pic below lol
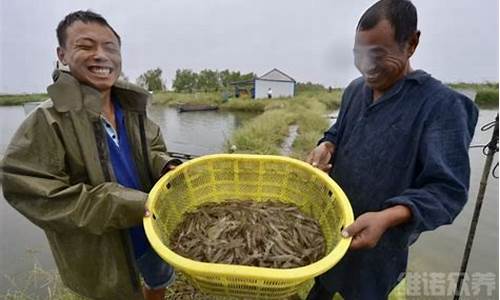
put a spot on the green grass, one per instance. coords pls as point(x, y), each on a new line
point(37, 281)
point(245, 105)
point(474, 86)
point(311, 127)
point(233, 104)
point(487, 97)
point(265, 133)
point(174, 98)
point(487, 93)
point(6, 100)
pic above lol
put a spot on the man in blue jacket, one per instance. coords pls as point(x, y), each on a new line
point(399, 149)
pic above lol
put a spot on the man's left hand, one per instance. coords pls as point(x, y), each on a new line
point(369, 227)
point(366, 230)
point(171, 164)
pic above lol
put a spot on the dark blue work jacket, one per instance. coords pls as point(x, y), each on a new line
point(409, 147)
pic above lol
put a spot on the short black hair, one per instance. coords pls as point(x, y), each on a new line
point(401, 14)
point(87, 16)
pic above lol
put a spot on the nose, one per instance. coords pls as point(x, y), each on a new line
point(369, 66)
point(100, 54)
point(365, 63)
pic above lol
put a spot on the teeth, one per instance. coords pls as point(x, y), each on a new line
point(100, 70)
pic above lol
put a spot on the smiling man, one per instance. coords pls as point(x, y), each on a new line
point(81, 164)
point(399, 149)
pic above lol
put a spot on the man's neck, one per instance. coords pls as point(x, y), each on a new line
point(108, 109)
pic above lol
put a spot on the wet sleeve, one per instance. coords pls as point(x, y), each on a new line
point(35, 182)
point(441, 185)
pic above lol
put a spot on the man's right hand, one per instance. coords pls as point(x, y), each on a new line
point(320, 156)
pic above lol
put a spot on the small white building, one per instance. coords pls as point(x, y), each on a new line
point(276, 83)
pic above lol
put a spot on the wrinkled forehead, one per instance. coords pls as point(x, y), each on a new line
point(91, 31)
point(381, 35)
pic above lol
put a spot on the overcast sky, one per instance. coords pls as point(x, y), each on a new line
point(310, 40)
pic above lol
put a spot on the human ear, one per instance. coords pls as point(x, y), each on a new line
point(60, 55)
point(413, 43)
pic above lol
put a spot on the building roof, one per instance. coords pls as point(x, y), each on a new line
point(276, 75)
point(273, 75)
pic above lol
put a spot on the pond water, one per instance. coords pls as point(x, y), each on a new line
point(438, 252)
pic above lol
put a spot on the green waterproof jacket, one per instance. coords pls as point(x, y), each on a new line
point(57, 173)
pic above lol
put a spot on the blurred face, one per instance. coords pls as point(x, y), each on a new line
point(92, 53)
point(380, 59)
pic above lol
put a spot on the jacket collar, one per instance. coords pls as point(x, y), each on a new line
point(67, 94)
point(420, 76)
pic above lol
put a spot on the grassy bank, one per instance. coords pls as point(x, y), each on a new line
point(6, 100)
point(265, 133)
point(40, 281)
point(37, 281)
point(487, 97)
point(174, 99)
point(487, 93)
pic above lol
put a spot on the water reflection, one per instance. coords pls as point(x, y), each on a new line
point(197, 133)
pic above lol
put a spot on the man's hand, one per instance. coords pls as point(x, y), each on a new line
point(369, 227)
point(321, 155)
point(171, 164)
point(366, 230)
point(168, 167)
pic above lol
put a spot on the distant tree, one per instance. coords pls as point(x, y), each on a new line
point(185, 81)
point(151, 80)
point(247, 76)
point(208, 81)
point(226, 77)
point(309, 86)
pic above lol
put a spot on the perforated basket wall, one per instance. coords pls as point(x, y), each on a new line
point(216, 178)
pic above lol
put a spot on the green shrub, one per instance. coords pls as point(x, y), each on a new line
point(487, 97)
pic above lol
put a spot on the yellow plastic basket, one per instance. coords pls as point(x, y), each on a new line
point(215, 178)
